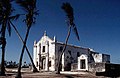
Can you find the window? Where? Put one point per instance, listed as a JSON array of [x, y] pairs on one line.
[[78, 54], [37, 63], [43, 48], [69, 52], [49, 63]]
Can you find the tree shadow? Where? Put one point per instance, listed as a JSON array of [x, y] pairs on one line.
[[69, 76]]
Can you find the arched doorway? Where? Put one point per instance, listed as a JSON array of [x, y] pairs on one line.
[[83, 62], [43, 63]]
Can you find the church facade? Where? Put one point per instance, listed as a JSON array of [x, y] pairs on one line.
[[47, 51]]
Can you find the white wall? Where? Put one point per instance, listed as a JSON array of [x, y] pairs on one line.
[[52, 52], [49, 52]]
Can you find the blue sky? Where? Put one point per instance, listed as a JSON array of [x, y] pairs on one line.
[[98, 23]]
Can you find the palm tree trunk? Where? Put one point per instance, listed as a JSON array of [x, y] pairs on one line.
[[3, 50], [2, 62], [21, 56], [64, 48], [34, 68]]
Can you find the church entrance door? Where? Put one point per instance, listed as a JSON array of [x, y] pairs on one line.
[[82, 65], [43, 63]]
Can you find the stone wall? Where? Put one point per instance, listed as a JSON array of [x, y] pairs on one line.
[[96, 67], [74, 67]]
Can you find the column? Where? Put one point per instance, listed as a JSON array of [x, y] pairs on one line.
[[63, 62], [46, 65], [35, 53], [40, 63]]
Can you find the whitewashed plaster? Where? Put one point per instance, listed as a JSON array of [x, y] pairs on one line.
[[72, 54]]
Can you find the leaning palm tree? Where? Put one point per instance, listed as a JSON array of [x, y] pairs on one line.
[[18, 34], [6, 11], [70, 18], [30, 8]]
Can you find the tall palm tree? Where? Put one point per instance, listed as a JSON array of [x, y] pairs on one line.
[[70, 21], [18, 34], [6, 11], [30, 8]]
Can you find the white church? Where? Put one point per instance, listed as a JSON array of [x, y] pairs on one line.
[[75, 58]]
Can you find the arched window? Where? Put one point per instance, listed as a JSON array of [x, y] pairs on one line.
[[43, 48]]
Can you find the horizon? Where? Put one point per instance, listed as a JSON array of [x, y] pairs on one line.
[[98, 24]]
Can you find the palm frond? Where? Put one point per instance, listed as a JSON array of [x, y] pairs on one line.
[[69, 11], [30, 7], [36, 12], [23, 4], [75, 31], [7, 7], [15, 17], [5, 15], [1, 9], [70, 17], [1, 19], [9, 28], [27, 5]]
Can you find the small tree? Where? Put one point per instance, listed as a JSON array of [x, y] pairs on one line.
[[69, 11]]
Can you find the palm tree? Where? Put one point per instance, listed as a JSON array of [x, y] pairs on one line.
[[30, 8], [6, 10], [18, 34], [70, 18]]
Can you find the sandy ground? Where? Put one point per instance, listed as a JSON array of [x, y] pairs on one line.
[[51, 75], [28, 74]]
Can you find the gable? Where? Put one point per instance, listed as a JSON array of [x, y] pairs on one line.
[[45, 39]]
